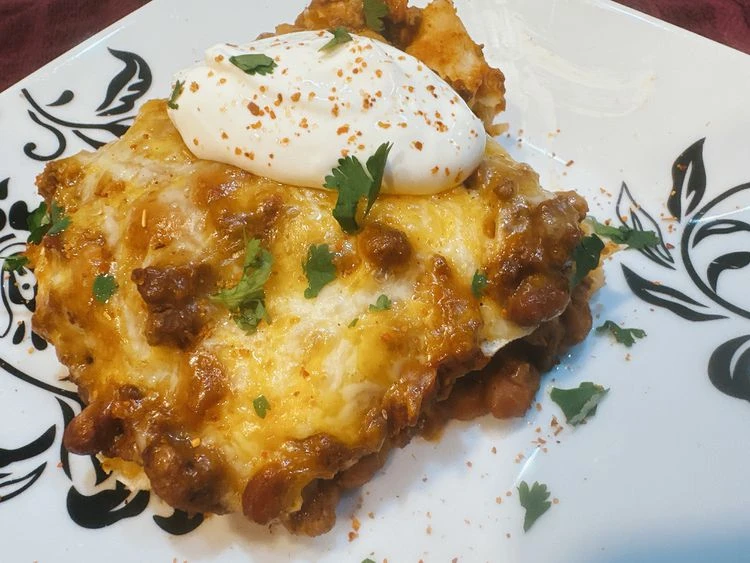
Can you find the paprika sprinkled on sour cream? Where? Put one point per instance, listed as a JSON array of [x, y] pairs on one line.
[[292, 122]]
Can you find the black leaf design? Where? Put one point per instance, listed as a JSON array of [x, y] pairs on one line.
[[3, 195], [17, 373], [129, 84], [719, 227], [65, 97], [667, 297], [20, 283], [19, 214], [734, 382], [19, 333], [38, 342], [731, 261], [8, 311], [17, 288], [32, 449], [68, 415], [26, 481], [688, 181], [105, 507], [641, 220], [179, 523], [124, 90], [30, 148], [93, 143]]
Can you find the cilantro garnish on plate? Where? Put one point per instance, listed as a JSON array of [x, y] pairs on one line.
[[580, 403], [253, 63], [340, 36], [375, 11], [478, 284], [43, 221], [104, 287], [14, 262], [261, 406], [353, 182], [177, 90], [319, 269], [624, 235], [246, 299], [382, 304], [586, 257], [534, 500], [624, 336]]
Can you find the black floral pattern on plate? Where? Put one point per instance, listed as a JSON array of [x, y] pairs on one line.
[[112, 501], [714, 245], [124, 90], [21, 467]]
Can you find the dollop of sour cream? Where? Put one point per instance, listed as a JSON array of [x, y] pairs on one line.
[[316, 106]]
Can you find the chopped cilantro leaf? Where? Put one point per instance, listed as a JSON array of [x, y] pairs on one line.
[[38, 223], [15, 262], [58, 220], [261, 406], [625, 235], [353, 182], [104, 287], [534, 500], [253, 63], [382, 304], [625, 336], [354, 322], [376, 167], [580, 403], [478, 283], [177, 90], [586, 257], [319, 269], [249, 316], [246, 300], [340, 36], [375, 11], [368, 560], [43, 221]]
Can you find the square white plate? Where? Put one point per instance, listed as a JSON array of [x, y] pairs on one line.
[[599, 97]]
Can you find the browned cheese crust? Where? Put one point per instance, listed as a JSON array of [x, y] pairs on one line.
[[433, 34], [169, 378]]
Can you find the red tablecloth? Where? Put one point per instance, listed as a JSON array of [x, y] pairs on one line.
[[33, 32], [725, 21]]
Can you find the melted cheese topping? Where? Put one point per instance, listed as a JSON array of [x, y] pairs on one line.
[[146, 201], [293, 123]]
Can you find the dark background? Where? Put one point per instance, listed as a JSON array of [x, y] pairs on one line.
[[33, 32]]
